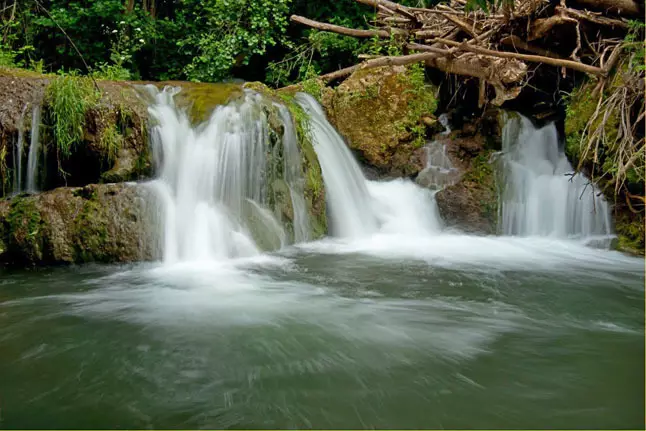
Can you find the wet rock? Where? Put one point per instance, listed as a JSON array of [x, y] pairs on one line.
[[96, 223], [471, 200]]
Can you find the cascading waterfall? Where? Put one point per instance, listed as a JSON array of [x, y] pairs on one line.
[[215, 179], [541, 196], [294, 176], [359, 207], [439, 171], [34, 148], [349, 203], [17, 153]]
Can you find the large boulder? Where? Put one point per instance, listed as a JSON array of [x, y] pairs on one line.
[[381, 112], [96, 223]]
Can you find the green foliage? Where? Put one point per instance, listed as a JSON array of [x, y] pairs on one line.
[[228, 33], [422, 103], [110, 141], [634, 43], [68, 99]]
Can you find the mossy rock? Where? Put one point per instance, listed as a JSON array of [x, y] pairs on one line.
[[202, 98], [379, 112], [97, 223], [314, 187]]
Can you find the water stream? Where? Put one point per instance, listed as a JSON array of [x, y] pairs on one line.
[[17, 152], [541, 196], [34, 149], [391, 322]]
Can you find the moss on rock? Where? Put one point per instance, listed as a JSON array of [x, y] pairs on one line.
[[380, 114], [314, 188], [97, 223], [471, 204]]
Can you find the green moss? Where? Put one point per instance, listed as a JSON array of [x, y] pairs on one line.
[[5, 172], [90, 229], [202, 98], [24, 223], [481, 179], [630, 232], [314, 87], [110, 142]]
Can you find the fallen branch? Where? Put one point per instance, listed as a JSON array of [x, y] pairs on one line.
[[340, 29], [574, 65], [593, 18], [517, 43], [403, 10]]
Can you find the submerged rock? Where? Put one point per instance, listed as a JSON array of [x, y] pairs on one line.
[[96, 223]]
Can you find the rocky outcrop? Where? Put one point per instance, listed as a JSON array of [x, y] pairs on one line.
[[381, 113], [471, 203], [97, 223]]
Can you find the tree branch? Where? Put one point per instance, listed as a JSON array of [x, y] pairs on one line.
[[574, 65]]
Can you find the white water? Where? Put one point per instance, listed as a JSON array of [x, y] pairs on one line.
[[34, 148], [439, 171], [350, 212], [17, 153], [213, 180], [294, 176], [541, 197]]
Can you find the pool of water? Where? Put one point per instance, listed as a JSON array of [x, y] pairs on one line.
[[389, 332]]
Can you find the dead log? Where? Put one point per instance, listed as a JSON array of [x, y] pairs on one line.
[[616, 7], [403, 10], [542, 26], [505, 75], [593, 18]]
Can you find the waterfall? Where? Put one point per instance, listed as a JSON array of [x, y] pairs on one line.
[[17, 153], [358, 207], [294, 176], [32, 159], [541, 197], [349, 203], [439, 172], [216, 180]]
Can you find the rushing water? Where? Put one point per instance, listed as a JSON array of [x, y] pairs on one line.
[[542, 197], [391, 323], [34, 149], [350, 210], [17, 152]]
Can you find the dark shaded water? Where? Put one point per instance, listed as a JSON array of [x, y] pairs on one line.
[[454, 333]]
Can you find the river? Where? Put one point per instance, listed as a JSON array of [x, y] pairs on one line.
[[444, 332], [392, 322]]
